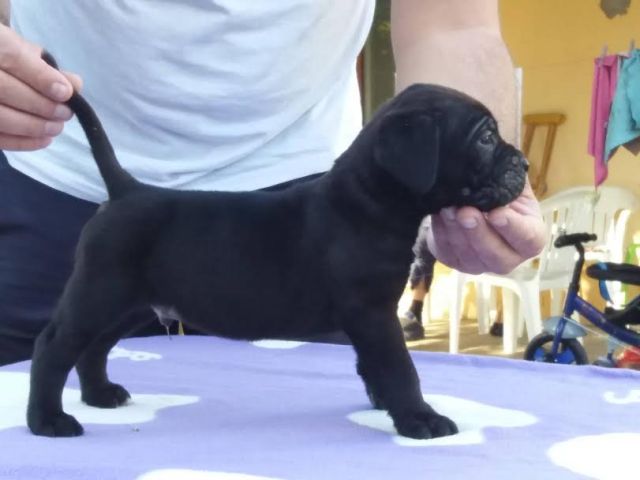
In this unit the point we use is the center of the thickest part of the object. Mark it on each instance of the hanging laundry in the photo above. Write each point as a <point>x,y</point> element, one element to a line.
<point>623,128</point>
<point>605,78</point>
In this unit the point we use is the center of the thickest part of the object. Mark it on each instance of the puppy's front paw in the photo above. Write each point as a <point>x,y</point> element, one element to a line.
<point>110,395</point>
<point>424,424</point>
<point>58,425</point>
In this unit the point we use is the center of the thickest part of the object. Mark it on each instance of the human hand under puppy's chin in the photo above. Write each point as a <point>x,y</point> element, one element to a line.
<point>471,241</point>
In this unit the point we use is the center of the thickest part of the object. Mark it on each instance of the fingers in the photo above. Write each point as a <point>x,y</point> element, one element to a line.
<point>472,242</point>
<point>21,59</point>
<point>31,95</point>
<point>19,96</point>
<point>521,224</point>
<point>523,233</point>
<point>452,247</point>
<point>16,143</point>
<point>487,243</point>
<point>465,241</point>
<point>76,80</point>
<point>15,122</point>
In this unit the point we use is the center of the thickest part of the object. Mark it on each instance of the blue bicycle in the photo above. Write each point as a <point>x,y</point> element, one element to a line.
<point>558,342</point>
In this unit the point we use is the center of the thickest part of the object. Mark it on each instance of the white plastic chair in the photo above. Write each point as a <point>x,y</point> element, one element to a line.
<point>604,212</point>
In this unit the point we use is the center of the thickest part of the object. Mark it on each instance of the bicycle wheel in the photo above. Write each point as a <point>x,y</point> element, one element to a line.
<point>571,352</point>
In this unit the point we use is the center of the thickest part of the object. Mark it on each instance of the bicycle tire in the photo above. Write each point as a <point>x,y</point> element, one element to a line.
<point>571,351</point>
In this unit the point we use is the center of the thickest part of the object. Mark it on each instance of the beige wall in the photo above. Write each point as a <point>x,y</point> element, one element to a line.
<point>555,42</point>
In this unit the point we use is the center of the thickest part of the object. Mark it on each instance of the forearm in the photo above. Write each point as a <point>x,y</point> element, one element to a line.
<point>458,44</point>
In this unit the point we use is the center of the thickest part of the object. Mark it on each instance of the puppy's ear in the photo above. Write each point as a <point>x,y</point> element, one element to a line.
<point>408,148</point>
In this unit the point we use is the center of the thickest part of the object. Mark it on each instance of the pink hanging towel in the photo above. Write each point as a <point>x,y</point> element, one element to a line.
<point>605,79</point>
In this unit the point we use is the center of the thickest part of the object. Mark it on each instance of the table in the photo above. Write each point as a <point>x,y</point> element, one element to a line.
<point>205,408</point>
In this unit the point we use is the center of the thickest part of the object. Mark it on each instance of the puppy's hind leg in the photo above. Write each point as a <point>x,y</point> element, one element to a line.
<point>97,390</point>
<point>89,304</point>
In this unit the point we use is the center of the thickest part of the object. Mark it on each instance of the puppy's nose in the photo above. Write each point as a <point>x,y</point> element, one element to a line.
<point>518,160</point>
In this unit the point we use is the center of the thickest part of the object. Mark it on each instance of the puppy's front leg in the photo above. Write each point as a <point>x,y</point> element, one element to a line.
<point>390,377</point>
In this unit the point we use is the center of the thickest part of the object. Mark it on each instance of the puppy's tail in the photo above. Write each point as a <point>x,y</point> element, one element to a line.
<point>117,179</point>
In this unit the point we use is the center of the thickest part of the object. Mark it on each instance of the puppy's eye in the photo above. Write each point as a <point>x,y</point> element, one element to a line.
<point>488,138</point>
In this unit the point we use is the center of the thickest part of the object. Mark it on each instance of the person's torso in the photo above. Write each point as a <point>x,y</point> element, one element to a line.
<point>202,94</point>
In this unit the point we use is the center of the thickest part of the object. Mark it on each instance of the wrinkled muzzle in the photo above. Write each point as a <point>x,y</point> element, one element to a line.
<point>503,184</point>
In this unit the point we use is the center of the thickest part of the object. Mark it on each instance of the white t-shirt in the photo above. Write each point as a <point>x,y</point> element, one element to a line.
<point>202,94</point>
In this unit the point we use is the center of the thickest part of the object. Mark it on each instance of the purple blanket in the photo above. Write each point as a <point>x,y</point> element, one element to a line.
<point>205,409</point>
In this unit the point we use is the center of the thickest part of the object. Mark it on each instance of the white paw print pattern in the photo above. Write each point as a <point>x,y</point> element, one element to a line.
<point>173,474</point>
<point>277,344</point>
<point>633,396</point>
<point>611,456</point>
<point>470,416</point>
<point>141,408</point>
<point>133,355</point>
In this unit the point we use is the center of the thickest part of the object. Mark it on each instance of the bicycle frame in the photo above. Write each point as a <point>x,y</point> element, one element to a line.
<point>574,303</point>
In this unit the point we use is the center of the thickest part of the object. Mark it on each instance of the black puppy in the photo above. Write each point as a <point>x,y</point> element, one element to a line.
<point>336,251</point>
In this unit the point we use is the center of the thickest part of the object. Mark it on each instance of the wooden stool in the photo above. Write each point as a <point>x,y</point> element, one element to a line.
<point>531,122</point>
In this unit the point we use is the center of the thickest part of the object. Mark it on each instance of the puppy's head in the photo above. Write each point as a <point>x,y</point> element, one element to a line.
<point>444,147</point>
